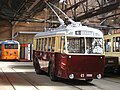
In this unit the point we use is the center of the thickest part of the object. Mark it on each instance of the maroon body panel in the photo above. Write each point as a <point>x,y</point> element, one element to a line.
<point>86,64</point>
<point>82,66</point>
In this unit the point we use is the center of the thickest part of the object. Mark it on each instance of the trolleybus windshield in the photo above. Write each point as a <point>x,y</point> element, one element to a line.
<point>85,45</point>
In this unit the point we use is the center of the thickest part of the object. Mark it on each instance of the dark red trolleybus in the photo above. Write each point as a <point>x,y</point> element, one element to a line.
<point>70,52</point>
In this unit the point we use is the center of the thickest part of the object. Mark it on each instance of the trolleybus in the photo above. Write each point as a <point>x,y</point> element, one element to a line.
<point>74,52</point>
<point>69,51</point>
<point>9,50</point>
<point>112,52</point>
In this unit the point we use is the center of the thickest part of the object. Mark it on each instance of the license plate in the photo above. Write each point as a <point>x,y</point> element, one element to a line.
<point>111,61</point>
<point>88,75</point>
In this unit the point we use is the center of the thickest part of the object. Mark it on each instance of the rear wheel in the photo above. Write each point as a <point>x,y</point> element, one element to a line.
<point>52,73</point>
<point>37,66</point>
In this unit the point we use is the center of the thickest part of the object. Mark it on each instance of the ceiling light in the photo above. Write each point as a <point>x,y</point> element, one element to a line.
<point>61,1</point>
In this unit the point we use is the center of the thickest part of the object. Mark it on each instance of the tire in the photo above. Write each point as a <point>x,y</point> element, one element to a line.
<point>52,73</point>
<point>37,66</point>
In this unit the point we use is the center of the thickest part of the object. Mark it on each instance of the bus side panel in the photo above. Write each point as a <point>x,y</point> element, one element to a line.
<point>44,59</point>
<point>61,65</point>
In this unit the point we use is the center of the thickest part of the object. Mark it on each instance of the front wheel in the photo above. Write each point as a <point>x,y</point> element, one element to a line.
<point>52,73</point>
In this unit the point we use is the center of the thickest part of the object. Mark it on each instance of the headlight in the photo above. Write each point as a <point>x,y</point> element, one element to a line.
<point>6,52</point>
<point>99,76</point>
<point>71,76</point>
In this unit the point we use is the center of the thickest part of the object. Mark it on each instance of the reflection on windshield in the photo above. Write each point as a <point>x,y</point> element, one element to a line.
<point>94,45</point>
<point>77,45</point>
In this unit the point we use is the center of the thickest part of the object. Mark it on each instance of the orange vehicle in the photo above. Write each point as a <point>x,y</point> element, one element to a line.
<point>9,50</point>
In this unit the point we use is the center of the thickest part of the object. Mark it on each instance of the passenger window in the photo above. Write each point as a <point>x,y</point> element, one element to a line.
<point>37,44</point>
<point>62,44</point>
<point>53,44</point>
<point>45,46</point>
<point>107,45</point>
<point>42,44</point>
<point>49,44</point>
<point>116,44</point>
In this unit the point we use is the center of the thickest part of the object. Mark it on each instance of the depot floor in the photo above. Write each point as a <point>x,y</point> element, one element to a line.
<point>22,76</point>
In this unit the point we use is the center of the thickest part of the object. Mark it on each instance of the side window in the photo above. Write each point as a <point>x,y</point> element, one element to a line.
<point>107,45</point>
<point>57,43</point>
<point>116,44</point>
<point>49,44</point>
<point>53,44</point>
<point>37,44</point>
<point>62,43</point>
<point>45,45</point>
<point>82,45</point>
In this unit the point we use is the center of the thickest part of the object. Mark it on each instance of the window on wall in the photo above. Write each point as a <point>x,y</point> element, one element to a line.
<point>107,45</point>
<point>116,44</point>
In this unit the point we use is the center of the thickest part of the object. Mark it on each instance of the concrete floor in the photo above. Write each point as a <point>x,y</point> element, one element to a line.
<point>21,76</point>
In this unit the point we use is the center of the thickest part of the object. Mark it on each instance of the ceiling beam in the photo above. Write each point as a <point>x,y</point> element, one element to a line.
<point>75,5</point>
<point>99,11</point>
<point>36,20</point>
<point>109,16</point>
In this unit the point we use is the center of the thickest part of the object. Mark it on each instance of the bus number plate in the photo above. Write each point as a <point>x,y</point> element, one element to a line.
<point>88,75</point>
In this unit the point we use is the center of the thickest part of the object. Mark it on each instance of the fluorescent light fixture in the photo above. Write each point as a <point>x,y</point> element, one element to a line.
<point>61,1</point>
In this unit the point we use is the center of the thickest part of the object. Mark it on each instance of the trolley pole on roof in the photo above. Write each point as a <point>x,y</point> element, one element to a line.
<point>60,20</point>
